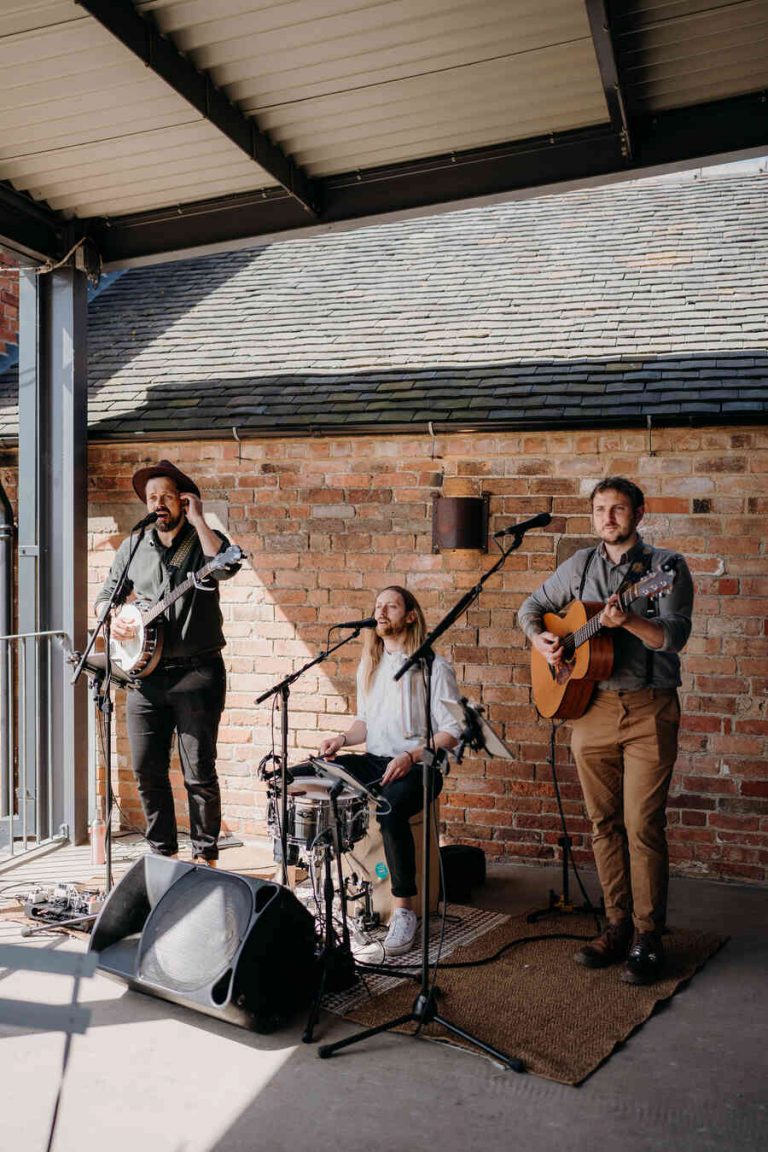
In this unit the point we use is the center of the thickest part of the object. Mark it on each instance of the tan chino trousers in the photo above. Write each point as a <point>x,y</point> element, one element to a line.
<point>625,746</point>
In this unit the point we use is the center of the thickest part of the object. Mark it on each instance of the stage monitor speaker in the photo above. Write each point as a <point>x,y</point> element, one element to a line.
<point>234,947</point>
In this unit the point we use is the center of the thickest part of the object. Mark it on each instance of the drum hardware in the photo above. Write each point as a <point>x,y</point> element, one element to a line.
<point>310,815</point>
<point>336,962</point>
<point>365,918</point>
<point>330,770</point>
<point>283,690</point>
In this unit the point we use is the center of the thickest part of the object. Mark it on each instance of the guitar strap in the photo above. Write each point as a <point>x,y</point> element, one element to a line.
<point>637,570</point>
<point>584,574</point>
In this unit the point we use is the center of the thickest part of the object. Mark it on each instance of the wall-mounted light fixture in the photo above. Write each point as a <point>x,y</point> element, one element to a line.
<point>459,522</point>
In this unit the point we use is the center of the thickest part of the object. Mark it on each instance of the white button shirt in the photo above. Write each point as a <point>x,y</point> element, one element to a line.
<point>393,711</point>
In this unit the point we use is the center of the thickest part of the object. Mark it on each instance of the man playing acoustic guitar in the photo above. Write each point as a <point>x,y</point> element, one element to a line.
<point>183,691</point>
<point>625,743</point>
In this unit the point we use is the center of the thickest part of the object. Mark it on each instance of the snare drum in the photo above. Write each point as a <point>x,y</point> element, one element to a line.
<point>309,815</point>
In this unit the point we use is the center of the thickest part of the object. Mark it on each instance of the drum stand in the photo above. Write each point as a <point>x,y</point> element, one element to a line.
<point>337,964</point>
<point>283,689</point>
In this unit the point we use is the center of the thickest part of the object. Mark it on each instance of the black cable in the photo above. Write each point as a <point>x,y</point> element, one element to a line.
<point>408,970</point>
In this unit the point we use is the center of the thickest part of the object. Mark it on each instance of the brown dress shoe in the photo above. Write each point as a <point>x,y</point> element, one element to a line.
<point>610,948</point>
<point>204,862</point>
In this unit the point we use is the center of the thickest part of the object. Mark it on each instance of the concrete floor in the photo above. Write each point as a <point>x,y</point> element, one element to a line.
<point>153,1076</point>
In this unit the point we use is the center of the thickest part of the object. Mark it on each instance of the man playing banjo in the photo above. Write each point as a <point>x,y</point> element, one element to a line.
<point>183,691</point>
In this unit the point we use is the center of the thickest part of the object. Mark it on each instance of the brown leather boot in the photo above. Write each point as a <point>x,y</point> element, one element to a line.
<point>610,948</point>
<point>645,960</point>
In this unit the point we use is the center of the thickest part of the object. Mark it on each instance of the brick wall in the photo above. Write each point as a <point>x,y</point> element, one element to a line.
<point>9,302</point>
<point>330,521</point>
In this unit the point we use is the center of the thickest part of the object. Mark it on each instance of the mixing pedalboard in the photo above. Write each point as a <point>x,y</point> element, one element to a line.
<point>63,902</point>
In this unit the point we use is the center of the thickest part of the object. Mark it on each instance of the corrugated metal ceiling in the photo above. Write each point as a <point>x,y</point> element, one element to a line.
<point>682,52</point>
<point>94,129</point>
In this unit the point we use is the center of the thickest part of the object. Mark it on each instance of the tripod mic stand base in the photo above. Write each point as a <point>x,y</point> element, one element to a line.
<point>424,1011</point>
<point>336,973</point>
<point>562,906</point>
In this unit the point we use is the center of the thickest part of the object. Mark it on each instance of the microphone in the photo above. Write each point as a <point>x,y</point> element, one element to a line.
<point>145,523</point>
<point>539,521</point>
<point>369,622</point>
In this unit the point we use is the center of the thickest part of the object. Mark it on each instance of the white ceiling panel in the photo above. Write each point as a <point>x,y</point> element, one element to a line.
<point>523,87</point>
<point>687,51</point>
<point>288,71</point>
<point>109,109</point>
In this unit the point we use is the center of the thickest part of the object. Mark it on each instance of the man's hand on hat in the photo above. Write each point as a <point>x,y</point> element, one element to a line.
<point>193,508</point>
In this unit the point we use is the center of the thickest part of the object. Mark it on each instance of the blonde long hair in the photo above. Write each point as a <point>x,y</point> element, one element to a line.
<point>373,647</point>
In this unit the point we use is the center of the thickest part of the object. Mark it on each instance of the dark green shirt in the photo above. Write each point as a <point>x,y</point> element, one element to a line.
<point>193,624</point>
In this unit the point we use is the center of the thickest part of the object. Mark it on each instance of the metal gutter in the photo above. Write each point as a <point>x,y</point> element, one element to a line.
<point>440,427</point>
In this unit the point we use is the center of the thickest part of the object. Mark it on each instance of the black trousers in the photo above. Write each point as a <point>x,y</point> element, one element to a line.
<point>187,699</point>
<point>405,798</point>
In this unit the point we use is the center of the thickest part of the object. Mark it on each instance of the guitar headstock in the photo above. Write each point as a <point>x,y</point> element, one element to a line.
<point>228,558</point>
<point>656,583</point>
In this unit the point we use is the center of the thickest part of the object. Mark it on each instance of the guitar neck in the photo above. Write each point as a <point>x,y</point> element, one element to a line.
<point>592,626</point>
<point>157,609</point>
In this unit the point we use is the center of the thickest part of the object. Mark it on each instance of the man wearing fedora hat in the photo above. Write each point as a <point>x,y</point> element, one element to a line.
<point>185,693</point>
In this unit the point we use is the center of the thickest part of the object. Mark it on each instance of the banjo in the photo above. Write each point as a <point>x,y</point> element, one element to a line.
<point>139,655</point>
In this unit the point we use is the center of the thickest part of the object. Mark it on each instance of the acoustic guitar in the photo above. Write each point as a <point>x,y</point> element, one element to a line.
<point>564,693</point>
<point>140,655</point>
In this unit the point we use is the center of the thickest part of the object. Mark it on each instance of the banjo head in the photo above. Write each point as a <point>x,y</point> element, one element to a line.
<point>128,654</point>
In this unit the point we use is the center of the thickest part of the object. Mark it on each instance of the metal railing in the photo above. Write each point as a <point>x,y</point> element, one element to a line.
<point>26,756</point>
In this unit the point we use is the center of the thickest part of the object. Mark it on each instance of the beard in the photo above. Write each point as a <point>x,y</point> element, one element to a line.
<point>621,537</point>
<point>385,628</point>
<point>168,523</point>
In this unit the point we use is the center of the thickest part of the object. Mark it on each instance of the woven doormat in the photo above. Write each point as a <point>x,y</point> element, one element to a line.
<point>461,926</point>
<point>534,1002</point>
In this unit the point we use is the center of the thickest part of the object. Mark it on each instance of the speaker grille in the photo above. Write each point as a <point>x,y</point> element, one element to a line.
<point>196,930</point>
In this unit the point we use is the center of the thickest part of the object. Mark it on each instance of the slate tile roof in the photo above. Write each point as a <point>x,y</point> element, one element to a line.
<point>600,306</point>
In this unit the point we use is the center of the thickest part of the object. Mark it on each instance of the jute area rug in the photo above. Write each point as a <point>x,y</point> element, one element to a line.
<point>534,1002</point>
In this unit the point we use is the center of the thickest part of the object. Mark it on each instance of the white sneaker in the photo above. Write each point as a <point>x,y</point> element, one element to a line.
<point>402,932</point>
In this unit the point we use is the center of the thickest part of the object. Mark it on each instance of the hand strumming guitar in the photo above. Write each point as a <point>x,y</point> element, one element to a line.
<point>548,645</point>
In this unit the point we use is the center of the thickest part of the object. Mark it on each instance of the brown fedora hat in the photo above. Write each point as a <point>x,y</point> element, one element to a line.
<point>162,468</point>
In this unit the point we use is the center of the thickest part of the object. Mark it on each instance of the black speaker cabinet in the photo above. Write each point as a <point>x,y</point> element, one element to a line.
<point>232,946</point>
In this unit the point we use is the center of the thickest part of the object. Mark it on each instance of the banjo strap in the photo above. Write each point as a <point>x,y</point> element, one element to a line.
<point>175,561</point>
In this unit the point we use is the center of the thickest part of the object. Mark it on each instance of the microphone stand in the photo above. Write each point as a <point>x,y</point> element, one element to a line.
<point>103,682</point>
<point>424,1008</point>
<point>283,689</point>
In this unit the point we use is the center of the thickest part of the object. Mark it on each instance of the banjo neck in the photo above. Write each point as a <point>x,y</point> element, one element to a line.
<point>150,614</point>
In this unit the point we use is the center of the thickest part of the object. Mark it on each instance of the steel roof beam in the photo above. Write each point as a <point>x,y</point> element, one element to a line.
<point>448,179</point>
<point>32,227</point>
<point>158,53</point>
<point>605,51</point>
<point>676,139</point>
